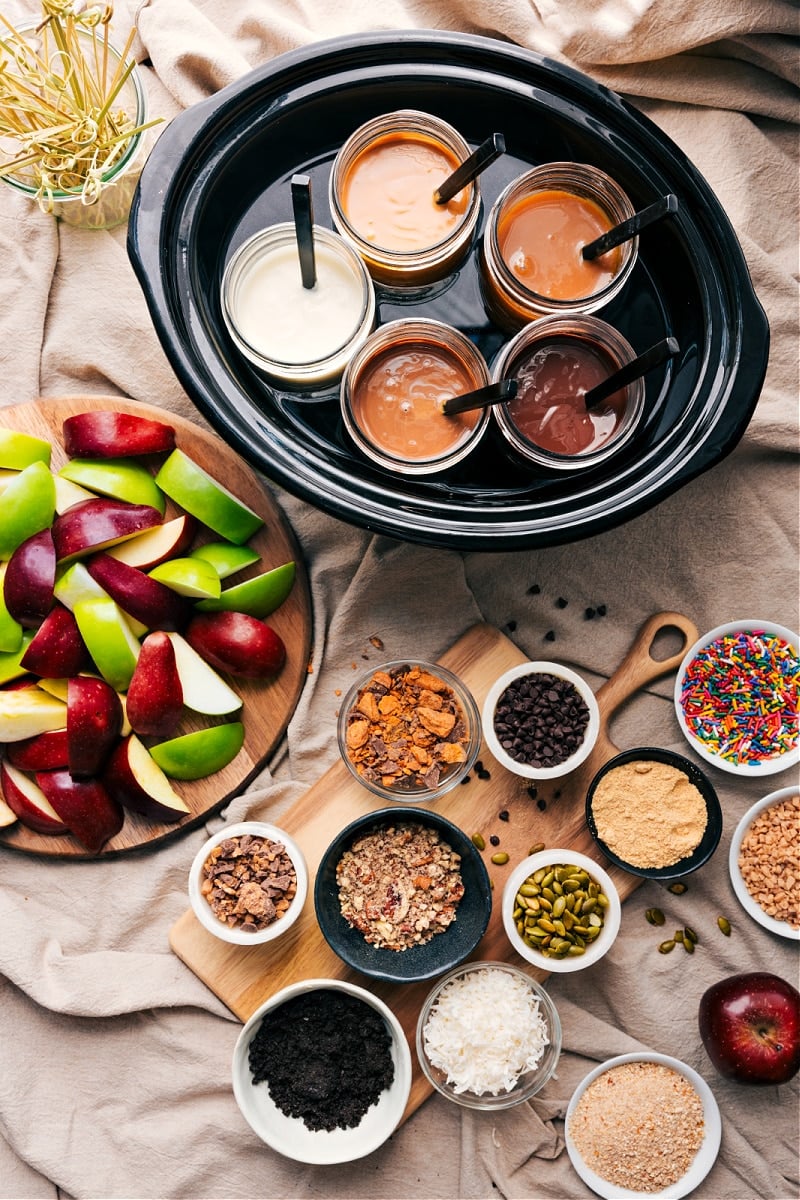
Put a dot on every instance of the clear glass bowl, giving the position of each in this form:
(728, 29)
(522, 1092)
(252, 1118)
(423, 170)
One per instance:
(408, 789)
(528, 1083)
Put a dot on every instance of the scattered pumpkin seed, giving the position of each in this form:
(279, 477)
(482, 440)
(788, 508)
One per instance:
(500, 859)
(677, 888)
(689, 933)
(478, 841)
(724, 925)
(655, 916)
(536, 848)
(666, 947)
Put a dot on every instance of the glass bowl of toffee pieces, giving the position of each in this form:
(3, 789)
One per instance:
(248, 883)
(409, 730)
(322, 1071)
(654, 813)
(540, 720)
(402, 895)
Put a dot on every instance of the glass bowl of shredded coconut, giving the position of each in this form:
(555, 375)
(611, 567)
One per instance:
(488, 1036)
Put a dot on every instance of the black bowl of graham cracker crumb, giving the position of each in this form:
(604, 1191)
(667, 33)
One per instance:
(654, 813)
(402, 895)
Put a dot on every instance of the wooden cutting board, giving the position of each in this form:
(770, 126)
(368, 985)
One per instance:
(267, 705)
(244, 977)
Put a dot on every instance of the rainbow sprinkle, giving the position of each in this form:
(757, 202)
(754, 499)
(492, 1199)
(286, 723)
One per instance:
(739, 697)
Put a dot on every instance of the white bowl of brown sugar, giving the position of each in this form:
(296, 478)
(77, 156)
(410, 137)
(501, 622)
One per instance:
(764, 862)
(248, 883)
(643, 1125)
(654, 813)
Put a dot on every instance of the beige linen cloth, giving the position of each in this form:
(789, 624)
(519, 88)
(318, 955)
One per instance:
(114, 1058)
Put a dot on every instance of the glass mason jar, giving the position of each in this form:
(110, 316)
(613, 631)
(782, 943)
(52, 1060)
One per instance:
(531, 263)
(302, 337)
(108, 203)
(555, 361)
(392, 392)
(382, 187)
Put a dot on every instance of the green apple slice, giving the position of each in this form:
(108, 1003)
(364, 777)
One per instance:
(120, 478)
(10, 661)
(109, 639)
(225, 557)
(5, 478)
(69, 493)
(27, 712)
(188, 577)
(195, 755)
(199, 494)
(258, 596)
(204, 690)
(10, 628)
(27, 506)
(18, 450)
(75, 584)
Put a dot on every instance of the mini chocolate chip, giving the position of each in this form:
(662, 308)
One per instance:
(561, 602)
(503, 816)
(511, 626)
(588, 613)
(550, 636)
(494, 839)
(541, 804)
(534, 589)
(601, 610)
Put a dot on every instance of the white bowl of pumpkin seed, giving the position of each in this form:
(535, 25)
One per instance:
(561, 910)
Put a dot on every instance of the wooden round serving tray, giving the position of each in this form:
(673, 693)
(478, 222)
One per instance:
(267, 704)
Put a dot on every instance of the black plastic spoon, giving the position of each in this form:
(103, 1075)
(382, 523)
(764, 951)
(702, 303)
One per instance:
(483, 397)
(470, 168)
(633, 370)
(303, 209)
(628, 229)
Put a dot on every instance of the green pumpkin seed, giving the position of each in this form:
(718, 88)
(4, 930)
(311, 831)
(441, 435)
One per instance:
(724, 925)
(666, 947)
(478, 841)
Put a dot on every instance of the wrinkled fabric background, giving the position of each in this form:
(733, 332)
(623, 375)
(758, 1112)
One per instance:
(114, 1057)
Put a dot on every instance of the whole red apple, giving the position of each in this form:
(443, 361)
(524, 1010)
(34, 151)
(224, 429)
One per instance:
(750, 1026)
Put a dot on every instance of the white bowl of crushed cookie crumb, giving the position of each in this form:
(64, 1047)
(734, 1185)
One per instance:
(764, 862)
(643, 1125)
(248, 883)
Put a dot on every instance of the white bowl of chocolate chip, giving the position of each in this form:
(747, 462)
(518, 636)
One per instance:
(540, 720)
(248, 883)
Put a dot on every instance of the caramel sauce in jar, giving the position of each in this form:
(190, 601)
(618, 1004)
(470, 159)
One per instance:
(388, 193)
(541, 237)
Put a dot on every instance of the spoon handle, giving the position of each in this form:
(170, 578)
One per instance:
(478, 161)
(303, 209)
(637, 367)
(628, 229)
(492, 393)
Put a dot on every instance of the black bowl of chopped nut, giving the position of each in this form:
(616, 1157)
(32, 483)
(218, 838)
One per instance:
(248, 883)
(402, 895)
(409, 730)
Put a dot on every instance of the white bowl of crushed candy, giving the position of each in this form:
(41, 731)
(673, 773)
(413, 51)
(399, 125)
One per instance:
(322, 1071)
(488, 1036)
(561, 910)
(765, 854)
(643, 1125)
(248, 883)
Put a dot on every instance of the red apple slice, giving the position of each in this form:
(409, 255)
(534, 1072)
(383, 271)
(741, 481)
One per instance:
(154, 604)
(94, 524)
(27, 800)
(237, 643)
(57, 648)
(154, 703)
(29, 579)
(137, 781)
(109, 434)
(154, 546)
(94, 723)
(85, 807)
(45, 752)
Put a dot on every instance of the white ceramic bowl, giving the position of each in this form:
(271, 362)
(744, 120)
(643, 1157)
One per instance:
(739, 886)
(589, 737)
(289, 1135)
(768, 766)
(201, 907)
(703, 1160)
(529, 1082)
(594, 950)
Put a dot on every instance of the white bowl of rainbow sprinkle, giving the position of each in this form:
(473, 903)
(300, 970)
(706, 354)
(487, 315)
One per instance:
(736, 697)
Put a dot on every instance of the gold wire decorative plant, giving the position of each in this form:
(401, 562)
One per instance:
(69, 116)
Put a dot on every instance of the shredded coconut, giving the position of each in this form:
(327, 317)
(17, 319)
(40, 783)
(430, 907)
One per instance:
(484, 1031)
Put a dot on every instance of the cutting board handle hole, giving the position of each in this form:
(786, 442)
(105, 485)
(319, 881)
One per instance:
(668, 642)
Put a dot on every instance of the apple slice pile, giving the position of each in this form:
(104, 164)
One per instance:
(115, 619)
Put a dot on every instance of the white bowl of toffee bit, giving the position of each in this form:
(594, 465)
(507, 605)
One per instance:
(643, 1125)
(540, 720)
(402, 895)
(764, 862)
(248, 883)
(409, 730)
(322, 1071)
